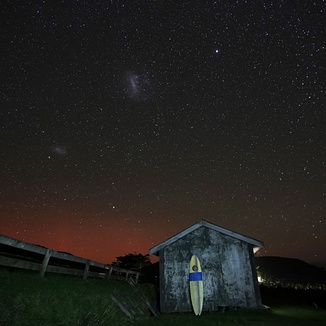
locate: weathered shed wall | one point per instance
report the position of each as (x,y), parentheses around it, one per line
(228,272)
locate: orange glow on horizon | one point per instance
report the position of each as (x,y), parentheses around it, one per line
(99,240)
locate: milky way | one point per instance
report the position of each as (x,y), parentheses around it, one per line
(124,122)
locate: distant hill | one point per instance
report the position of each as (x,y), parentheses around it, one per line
(289,271)
(321,264)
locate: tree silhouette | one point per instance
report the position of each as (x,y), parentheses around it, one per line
(133,262)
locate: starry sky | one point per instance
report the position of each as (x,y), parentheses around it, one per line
(125,122)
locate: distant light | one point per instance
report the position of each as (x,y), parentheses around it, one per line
(217,51)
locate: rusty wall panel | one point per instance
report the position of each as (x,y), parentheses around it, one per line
(227,271)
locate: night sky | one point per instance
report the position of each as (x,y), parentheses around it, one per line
(125,122)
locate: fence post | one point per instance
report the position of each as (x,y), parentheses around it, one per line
(45,262)
(137,276)
(86,270)
(108,274)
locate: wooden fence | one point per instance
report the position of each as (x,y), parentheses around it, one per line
(19,254)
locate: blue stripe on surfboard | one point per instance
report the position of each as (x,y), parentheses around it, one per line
(198,276)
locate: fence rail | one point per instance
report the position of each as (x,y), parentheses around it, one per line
(19,254)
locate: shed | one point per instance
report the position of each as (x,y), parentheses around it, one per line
(228,266)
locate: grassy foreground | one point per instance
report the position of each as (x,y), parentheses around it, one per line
(26,299)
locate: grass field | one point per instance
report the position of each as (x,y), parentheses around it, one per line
(26,299)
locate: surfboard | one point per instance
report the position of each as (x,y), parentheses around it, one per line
(196,285)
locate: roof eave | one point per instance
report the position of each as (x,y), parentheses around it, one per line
(254,242)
